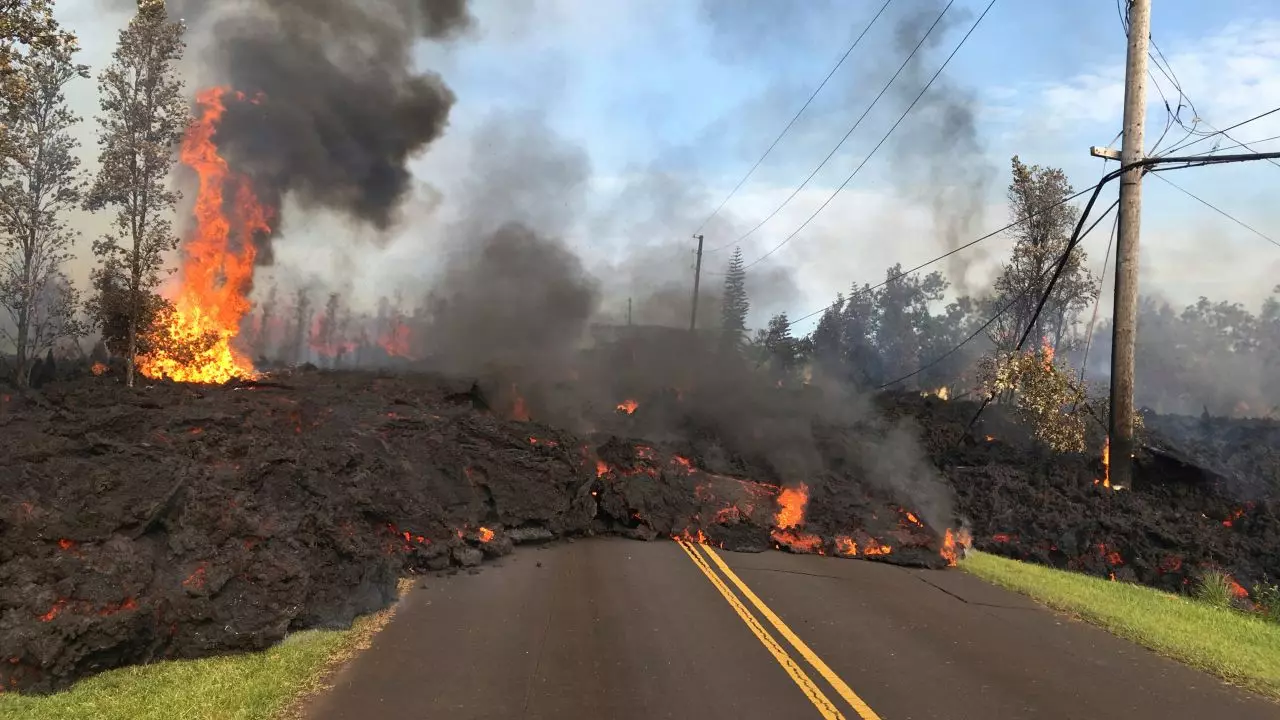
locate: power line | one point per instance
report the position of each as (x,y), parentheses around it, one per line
(799,112)
(1216,209)
(871,154)
(1237,145)
(1222,132)
(1008,306)
(1097,302)
(949,253)
(854,127)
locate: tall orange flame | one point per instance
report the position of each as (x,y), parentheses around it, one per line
(217,262)
(791,503)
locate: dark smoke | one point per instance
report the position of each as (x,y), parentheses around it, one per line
(344,110)
(939,153)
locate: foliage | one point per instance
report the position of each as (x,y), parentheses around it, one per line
(1214,589)
(144,114)
(1043,393)
(39,185)
(26,27)
(1039,244)
(1267,596)
(735,305)
(778,350)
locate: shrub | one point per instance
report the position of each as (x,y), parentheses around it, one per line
(1215,589)
(1267,596)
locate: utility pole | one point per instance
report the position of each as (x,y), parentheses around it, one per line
(1125,313)
(628,312)
(697,278)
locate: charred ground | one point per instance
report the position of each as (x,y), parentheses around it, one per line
(182,521)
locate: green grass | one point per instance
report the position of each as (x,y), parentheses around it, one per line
(1239,648)
(251,686)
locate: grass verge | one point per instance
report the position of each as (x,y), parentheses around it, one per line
(268,685)
(1239,648)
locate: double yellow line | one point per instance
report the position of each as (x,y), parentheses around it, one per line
(700,554)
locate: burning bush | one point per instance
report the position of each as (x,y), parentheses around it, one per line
(1044,395)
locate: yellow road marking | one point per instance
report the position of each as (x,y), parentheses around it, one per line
(806,684)
(864,711)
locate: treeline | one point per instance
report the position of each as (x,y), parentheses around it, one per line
(144,113)
(905,332)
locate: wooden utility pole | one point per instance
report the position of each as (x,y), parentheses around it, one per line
(1125,312)
(697,278)
(628,312)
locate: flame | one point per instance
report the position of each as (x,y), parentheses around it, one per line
(791,504)
(698,537)
(874,547)
(195,345)
(98,369)
(628,406)
(1047,350)
(1234,516)
(954,544)
(485,534)
(518,410)
(798,541)
(910,517)
(1106,465)
(1112,556)
(395,339)
(846,546)
(602,468)
(991,438)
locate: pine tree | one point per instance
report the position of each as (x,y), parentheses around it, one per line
(144,115)
(39,186)
(733,311)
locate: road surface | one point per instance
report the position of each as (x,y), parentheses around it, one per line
(614,628)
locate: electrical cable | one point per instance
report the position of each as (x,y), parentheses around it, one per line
(796,117)
(854,127)
(1017,298)
(871,154)
(1216,209)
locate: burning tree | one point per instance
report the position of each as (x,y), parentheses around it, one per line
(144,114)
(1043,393)
(40,185)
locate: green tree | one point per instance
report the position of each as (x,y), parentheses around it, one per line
(26,27)
(1039,243)
(144,115)
(735,303)
(781,351)
(39,184)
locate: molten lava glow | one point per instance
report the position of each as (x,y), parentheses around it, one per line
(98,369)
(846,546)
(1237,590)
(217,263)
(66,544)
(798,541)
(698,537)
(485,534)
(628,406)
(1112,556)
(1234,516)
(954,544)
(874,547)
(1106,465)
(683,462)
(545,443)
(791,503)
(602,468)
(1001,537)
(910,518)
(54,611)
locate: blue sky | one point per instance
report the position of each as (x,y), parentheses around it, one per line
(665,103)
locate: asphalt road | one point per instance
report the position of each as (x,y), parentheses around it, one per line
(614,628)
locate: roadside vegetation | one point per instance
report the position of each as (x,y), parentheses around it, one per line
(1209,631)
(267,685)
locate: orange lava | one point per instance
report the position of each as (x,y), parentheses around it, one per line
(874,547)
(953,545)
(1001,537)
(696,537)
(1237,590)
(911,518)
(66,544)
(846,546)
(54,611)
(1233,517)
(217,263)
(798,541)
(196,579)
(628,406)
(545,443)
(485,534)
(685,463)
(98,369)
(602,468)
(791,504)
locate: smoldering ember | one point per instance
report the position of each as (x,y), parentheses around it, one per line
(230,465)
(187,520)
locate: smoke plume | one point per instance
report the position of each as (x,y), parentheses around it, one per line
(941,157)
(334,106)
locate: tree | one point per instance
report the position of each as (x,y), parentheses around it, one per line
(735,304)
(1039,243)
(782,352)
(902,306)
(144,115)
(39,184)
(26,27)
